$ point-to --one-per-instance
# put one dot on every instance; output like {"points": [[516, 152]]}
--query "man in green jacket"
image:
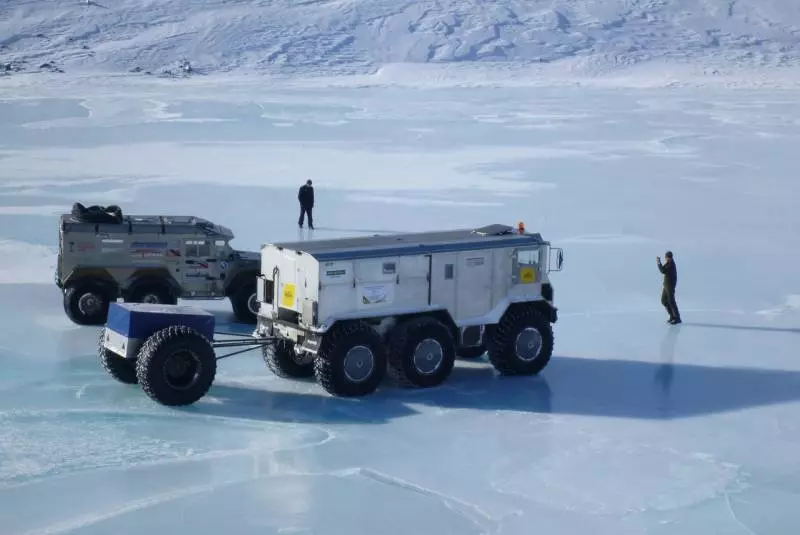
{"points": [[668, 292]]}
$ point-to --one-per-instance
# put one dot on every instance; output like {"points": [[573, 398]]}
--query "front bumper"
{"points": [[303, 338]]}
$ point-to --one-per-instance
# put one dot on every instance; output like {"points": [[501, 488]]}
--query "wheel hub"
{"points": [[89, 304], [428, 356], [528, 344], [359, 363], [181, 370], [252, 304], [151, 298]]}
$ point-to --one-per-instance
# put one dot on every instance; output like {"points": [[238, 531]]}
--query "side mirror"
{"points": [[560, 258]]}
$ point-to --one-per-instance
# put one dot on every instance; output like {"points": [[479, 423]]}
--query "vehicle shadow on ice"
{"points": [[569, 385], [616, 388]]}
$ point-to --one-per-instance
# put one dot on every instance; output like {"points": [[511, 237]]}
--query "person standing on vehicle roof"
{"points": [[668, 292], [306, 198]]}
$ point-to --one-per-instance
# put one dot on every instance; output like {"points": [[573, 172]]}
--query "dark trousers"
{"points": [[303, 211], [668, 300]]}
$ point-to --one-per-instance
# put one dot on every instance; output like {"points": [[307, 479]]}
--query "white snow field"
{"points": [[561, 38], [617, 129]]}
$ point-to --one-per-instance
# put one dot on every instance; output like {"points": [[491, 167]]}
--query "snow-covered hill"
{"points": [[346, 36]]}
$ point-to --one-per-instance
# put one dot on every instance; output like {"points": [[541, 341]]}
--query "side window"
{"points": [[198, 248], [448, 271], [528, 257], [221, 248]]}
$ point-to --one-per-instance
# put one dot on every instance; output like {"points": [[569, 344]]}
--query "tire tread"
{"points": [[151, 349], [501, 351], [279, 358], [325, 365], [121, 369], [397, 350]]}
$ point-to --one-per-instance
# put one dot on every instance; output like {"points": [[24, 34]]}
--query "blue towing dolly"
{"points": [[169, 350]]}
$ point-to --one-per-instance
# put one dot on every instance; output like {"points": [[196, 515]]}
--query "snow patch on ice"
{"points": [[46, 211], [631, 478], [791, 306], [344, 166], [418, 201], [26, 262]]}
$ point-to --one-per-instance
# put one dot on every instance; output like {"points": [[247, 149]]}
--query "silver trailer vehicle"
{"points": [[348, 310], [103, 256]]}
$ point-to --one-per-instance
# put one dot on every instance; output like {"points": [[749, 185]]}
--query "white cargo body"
{"points": [[465, 279]]}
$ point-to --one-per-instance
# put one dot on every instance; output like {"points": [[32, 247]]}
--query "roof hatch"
{"points": [[494, 230]]}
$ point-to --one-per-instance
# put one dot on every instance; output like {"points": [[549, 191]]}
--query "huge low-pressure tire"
{"points": [[245, 303], [86, 303], [522, 343], [176, 366], [282, 360], [351, 360], [121, 369], [421, 352]]}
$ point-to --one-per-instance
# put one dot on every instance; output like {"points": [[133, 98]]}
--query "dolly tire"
{"points": [[176, 366], [120, 368]]}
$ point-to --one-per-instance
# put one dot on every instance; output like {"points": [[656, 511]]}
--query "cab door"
{"points": [[200, 268], [474, 283], [526, 267]]}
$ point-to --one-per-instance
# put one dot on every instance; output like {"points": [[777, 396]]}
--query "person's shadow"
{"points": [[666, 370]]}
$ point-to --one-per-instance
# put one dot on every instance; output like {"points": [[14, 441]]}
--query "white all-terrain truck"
{"points": [[347, 310]]}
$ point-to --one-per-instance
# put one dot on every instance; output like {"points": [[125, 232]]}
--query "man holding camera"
{"points": [[670, 282]]}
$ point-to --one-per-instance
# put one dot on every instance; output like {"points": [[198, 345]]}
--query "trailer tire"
{"points": [[522, 343], [244, 302], [176, 366], [86, 303], [120, 368], [282, 360], [344, 350], [421, 352]]}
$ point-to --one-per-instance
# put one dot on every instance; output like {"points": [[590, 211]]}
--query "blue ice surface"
{"points": [[635, 427]]}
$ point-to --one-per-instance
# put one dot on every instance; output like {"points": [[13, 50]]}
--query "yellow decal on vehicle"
{"points": [[527, 275], [287, 295]]}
